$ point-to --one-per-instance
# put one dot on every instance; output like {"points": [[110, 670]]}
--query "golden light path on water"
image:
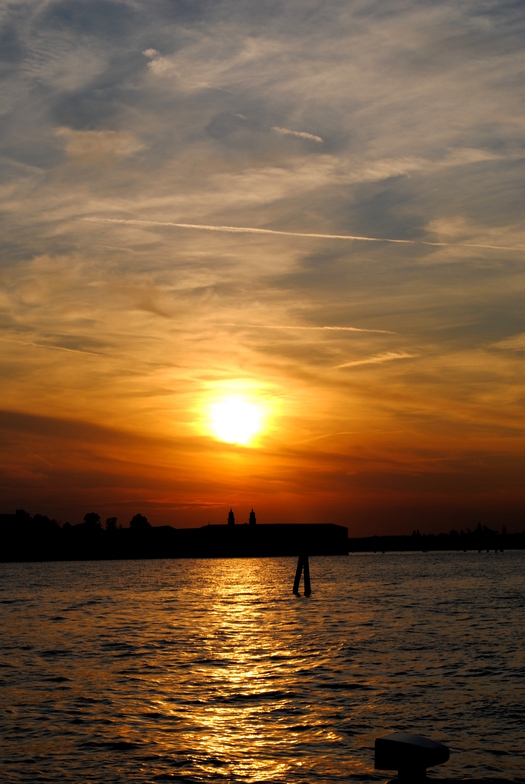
{"points": [[255, 680]]}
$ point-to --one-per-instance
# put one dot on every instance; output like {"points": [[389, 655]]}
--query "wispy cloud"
{"points": [[42, 459], [514, 343], [90, 145], [309, 328], [51, 346], [300, 134], [170, 504], [518, 249], [378, 359], [160, 66]]}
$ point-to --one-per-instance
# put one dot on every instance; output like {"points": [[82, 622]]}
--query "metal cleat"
{"points": [[410, 755]]}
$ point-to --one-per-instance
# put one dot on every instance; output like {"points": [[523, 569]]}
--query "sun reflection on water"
{"points": [[257, 678]]}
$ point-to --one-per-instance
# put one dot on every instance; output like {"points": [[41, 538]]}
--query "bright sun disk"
{"points": [[235, 420]]}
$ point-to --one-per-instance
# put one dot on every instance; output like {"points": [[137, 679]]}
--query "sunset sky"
{"points": [[371, 317]]}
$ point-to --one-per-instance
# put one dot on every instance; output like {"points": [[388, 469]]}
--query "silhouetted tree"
{"points": [[252, 518], [111, 524], [231, 518], [44, 525], [139, 523], [92, 520]]}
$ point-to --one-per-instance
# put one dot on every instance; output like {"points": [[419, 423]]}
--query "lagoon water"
{"points": [[203, 670]]}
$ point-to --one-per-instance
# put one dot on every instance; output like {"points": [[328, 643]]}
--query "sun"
{"points": [[235, 420]]}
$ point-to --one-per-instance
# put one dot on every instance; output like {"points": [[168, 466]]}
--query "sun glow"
{"points": [[235, 420]]}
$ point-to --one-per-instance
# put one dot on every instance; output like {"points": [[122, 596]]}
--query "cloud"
{"points": [[91, 145], [169, 504], [458, 231], [300, 134], [158, 65], [513, 343], [388, 356], [53, 346], [310, 328]]}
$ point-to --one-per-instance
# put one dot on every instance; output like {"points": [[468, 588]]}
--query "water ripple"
{"points": [[201, 671]]}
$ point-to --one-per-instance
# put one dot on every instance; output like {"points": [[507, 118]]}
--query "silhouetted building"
{"points": [[252, 518], [231, 518]]}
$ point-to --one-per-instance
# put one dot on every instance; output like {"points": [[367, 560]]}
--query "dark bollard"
{"points": [[410, 755], [298, 576], [307, 587], [302, 562]]}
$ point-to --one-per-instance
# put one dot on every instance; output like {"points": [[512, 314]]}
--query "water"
{"points": [[199, 670]]}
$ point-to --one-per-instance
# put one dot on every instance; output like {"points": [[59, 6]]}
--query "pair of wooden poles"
{"points": [[302, 563]]}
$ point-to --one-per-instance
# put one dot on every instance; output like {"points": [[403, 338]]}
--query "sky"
{"points": [[311, 210]]}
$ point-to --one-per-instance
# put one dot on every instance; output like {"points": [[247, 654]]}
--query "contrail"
{"points": [[469, 245], [293, 326], [246, 230], [42, 459], [50, 346], [378, 359], [306, 235]]}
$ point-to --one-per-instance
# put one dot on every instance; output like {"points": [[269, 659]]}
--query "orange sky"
{"points": [[389, 375]]}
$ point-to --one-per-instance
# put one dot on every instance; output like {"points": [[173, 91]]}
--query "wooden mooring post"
{"points": [[302, 563]]}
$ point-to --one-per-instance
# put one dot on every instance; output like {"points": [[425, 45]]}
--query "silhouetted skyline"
{"points": [[39, 538]]}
